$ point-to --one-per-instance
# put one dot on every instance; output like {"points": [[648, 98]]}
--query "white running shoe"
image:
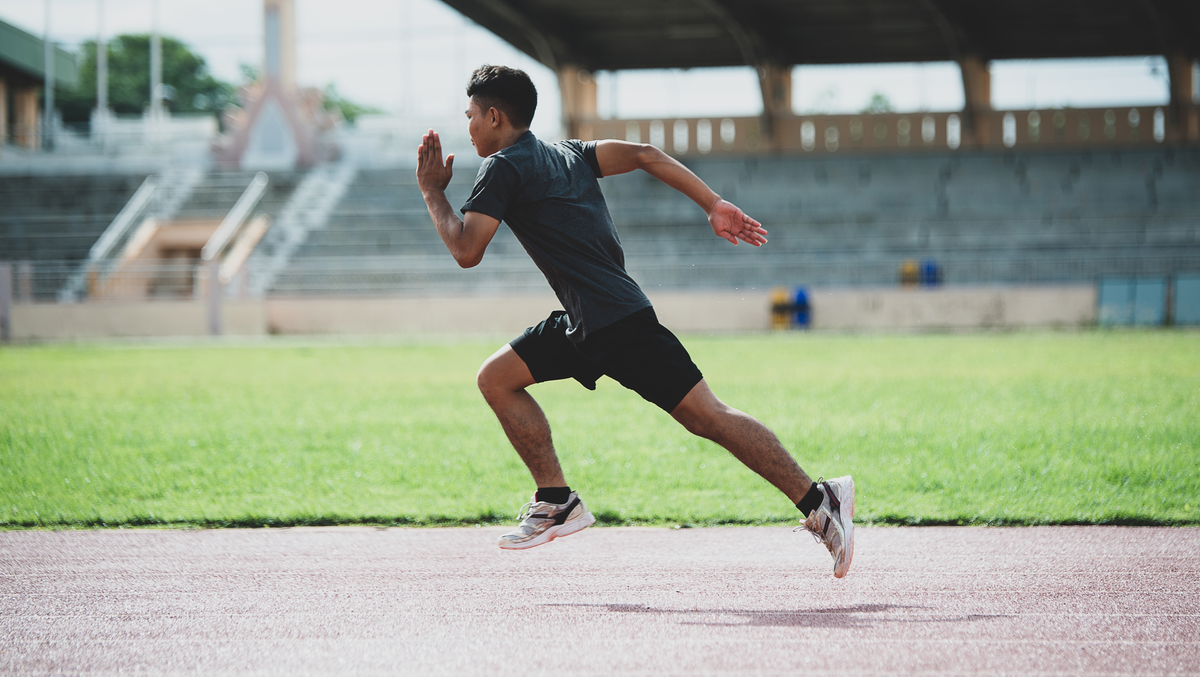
{"points": [[832, 524], [543, 522]]}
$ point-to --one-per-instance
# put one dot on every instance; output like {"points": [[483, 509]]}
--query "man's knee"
{"points": [[701, 413], [502, 373], [700, 424]]}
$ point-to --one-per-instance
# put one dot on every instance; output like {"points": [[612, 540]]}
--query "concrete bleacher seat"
{"points": [[59, 218], [219, 191], [383, 225], [1006, 218], [850, 219], [53, 221], [1062, 215]]}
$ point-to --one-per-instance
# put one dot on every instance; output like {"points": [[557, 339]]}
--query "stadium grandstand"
{"points": [[1104, 198]]}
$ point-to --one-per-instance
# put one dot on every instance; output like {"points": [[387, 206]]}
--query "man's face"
{"points": [[481, 128]]}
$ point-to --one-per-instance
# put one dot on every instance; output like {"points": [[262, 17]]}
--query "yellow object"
{"points": [[781, 308]]}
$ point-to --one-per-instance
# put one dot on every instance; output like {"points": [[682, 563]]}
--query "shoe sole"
{"points": [[848, 534], [552, 533]]}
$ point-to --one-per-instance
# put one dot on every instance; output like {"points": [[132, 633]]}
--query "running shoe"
{"points": [[832, 524], [543, 522]]}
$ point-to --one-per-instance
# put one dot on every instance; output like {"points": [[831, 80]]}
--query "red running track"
{"points": [[611, 601]]}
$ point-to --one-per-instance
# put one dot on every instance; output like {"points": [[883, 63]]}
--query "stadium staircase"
{"points": [[378, 239], [306, 212]]}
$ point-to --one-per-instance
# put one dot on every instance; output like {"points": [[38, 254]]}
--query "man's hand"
{"points": [[733, 224], [431, 173]]}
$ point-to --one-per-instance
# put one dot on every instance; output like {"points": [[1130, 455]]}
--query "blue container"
{"points": [[802, 312], [931, 273]]}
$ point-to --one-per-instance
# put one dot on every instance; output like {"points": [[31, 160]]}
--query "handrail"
{"points": [[235, 218], [111, 237], [127, 216]]}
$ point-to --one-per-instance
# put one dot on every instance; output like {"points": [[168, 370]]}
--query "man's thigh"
{"points": [[551, 356], [644, 356]]}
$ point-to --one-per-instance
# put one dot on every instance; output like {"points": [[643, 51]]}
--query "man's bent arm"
{"points": [[727, 221], [466, 239]]}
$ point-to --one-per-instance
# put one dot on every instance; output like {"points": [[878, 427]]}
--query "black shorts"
{"points": [[636, 351]]}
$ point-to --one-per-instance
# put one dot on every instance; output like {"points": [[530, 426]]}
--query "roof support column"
{"points": [[578, 91], [25, 114], [48, 88], [977, 98], [775, 82], [1184, 121], [3, 112]]}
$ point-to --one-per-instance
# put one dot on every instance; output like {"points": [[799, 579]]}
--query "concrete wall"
{"points": [[950, 308], [833, 310], [69, 321], [407, 315]]}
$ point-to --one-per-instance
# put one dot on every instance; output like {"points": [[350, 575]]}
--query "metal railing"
{"points": [[237, 216], [879, 132], [115, 236]]}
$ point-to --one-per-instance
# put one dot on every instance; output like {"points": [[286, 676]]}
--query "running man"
{"points": [[549, 195]]}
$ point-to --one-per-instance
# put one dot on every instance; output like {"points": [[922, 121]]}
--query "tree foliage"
{"points": [[349, 109], [188, 86], [879, 103]]}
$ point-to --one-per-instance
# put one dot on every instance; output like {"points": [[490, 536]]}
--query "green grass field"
{"points": [[1054, 428]]}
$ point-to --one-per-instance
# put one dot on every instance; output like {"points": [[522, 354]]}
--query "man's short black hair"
{"points": [[507, 89]]}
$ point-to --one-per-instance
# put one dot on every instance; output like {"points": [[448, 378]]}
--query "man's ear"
{"points": [[496, 116]]}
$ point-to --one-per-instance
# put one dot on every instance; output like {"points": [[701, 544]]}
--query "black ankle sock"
{"points": [[811, 501], [556, 495]]}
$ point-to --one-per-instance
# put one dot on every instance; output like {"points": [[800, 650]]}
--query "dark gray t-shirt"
{"points": [[549, 195]]}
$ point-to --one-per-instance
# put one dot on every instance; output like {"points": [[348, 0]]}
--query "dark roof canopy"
{"points": [[627, 34], [23, 59]]}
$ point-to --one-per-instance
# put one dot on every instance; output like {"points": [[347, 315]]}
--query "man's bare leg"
{"points": [[503, 379], [750, 442]]}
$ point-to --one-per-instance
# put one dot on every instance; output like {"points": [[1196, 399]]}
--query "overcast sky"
{"points": [[413, 57]]}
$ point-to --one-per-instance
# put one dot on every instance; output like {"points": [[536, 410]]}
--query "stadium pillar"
{"points": [[48, 88], [977, 97], [25, 114], [279, 43], [6, 286], [213, 268], [775, 83], [578, 91], [156, 68], [3, 112], [101, 62], [1184, 121], [24, 281]]}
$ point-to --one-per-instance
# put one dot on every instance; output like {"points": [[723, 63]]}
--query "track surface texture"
{"points": [[611, 601]]}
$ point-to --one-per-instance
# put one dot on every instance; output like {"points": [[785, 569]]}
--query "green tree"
{"points": [[189, 87], [879, 103], [349, 110]]}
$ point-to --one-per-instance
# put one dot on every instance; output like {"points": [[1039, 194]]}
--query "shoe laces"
{"points": [[527, 511]]}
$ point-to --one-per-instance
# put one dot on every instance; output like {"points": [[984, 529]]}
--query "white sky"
{"points": [[414, 56]]}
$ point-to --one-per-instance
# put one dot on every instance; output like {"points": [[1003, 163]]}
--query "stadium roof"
{"points": [[23, 59], [629, 34]]}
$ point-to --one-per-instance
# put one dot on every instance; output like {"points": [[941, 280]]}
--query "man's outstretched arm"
{"points": [[727, 221], [467, 240]]}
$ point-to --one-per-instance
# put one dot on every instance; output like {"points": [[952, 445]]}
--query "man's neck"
{"points": [[511, 137]]}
